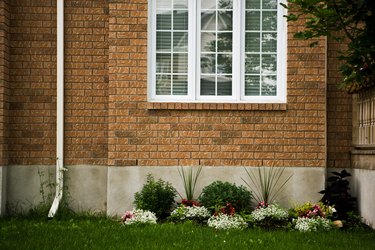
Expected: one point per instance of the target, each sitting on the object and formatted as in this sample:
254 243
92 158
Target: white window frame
238 86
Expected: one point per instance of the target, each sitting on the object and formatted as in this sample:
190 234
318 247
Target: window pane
252 43
163 85
252 85
269 4
208 42
253 4
163 41
225 4
269 43
224 85
208 4
208 20
269 86
180 85
225 20
163 20
180 20
269 64
224 63
224 42
252 64
180 63
163 63
253 20
180 41
164 4
269 21
208 85
208 63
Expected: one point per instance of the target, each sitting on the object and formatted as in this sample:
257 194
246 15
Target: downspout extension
59 110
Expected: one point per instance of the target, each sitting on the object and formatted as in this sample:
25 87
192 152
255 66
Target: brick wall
210 134
108 118
86 82
4 81
32 82
339 112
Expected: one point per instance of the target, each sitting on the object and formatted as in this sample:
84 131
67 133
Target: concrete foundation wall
363 187
124 182
24 185
111 189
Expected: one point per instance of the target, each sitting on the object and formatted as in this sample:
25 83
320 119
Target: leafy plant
156 196
337 194
189 179
349 21
354 222
311 210
267 183
218 195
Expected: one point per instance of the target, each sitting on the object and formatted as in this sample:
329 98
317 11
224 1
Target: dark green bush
156 196
337 194
218 194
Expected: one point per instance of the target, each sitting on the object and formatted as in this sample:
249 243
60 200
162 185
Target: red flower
190 203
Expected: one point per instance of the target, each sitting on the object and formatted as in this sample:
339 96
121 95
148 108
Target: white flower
190 213
224 222
139 216
312 224
272 211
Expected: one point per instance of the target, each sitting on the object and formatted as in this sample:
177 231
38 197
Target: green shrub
218 194
156 196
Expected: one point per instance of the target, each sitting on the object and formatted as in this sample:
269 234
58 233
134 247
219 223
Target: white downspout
59 109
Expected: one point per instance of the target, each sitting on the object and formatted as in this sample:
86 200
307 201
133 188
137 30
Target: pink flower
262 204
127 216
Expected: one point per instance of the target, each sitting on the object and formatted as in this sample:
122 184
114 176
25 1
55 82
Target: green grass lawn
102 233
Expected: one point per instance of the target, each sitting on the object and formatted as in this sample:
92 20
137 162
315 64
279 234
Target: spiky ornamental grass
189 179
267 184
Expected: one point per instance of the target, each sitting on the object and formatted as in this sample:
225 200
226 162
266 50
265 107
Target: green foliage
267 183
156 196
218 194
353 221
337 194
189 179
350 21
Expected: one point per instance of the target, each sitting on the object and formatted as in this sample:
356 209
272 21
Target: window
217 51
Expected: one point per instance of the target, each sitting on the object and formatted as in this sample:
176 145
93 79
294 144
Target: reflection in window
172 47
261 48
216 48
